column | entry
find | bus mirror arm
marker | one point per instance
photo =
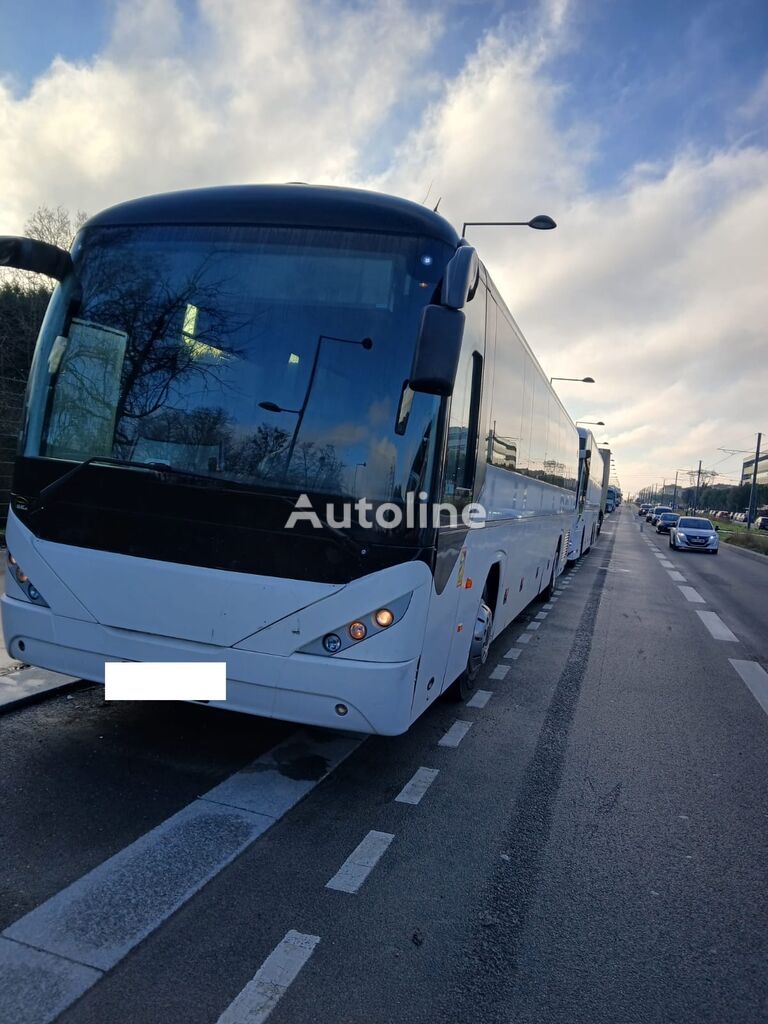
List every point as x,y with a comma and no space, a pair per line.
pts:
34,255
438,347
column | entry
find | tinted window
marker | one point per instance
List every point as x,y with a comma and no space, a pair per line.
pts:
688,523
272,357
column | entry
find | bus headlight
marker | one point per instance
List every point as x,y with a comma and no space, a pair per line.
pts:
384,617
358,631
25,583
332,642
344,637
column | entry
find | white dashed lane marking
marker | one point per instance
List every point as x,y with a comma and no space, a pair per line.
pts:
756,678
260,996
359,864
481,698
542,615
455,734
524,638
717,627
533,625
513,653
500,672
692,595
413,791
676,576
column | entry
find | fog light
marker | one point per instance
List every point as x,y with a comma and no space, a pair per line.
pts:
33,592
384,617
357,631
341,709
332,643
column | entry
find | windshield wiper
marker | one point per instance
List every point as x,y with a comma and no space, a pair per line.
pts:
39,501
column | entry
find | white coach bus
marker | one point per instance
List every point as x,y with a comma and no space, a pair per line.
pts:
209,360
589,495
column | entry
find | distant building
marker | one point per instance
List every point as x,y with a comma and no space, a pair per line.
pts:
762,470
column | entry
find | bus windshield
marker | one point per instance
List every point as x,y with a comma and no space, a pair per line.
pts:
274,358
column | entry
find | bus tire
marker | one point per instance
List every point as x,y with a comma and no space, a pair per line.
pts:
549,590
482,631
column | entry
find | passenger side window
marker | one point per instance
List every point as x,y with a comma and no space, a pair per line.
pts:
464,418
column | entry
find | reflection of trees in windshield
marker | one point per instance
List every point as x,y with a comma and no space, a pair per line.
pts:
178,332
183,350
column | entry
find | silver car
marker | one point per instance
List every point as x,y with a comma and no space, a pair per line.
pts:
691,533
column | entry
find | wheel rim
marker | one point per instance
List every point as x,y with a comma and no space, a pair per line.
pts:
481,639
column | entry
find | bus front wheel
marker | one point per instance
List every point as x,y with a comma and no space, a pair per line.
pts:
480,644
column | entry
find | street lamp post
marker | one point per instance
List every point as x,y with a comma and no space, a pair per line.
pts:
541,223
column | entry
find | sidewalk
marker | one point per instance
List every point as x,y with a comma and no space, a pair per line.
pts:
20,684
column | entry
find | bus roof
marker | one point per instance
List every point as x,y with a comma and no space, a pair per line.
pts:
293,204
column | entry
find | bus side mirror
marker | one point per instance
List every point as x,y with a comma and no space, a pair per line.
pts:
438,347
31,254
460,278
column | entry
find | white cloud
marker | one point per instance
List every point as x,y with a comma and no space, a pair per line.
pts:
655,287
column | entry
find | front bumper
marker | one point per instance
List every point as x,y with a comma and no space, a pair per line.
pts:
296,688
687,546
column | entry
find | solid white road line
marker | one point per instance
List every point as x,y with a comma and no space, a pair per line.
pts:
676,576
455,734
414,790
524,638
260,996
481,697
756,678
500,672
533,625
98,919
692,595
716,626
359,864
513,653
37,987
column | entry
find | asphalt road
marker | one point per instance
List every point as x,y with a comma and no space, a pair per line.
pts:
593,848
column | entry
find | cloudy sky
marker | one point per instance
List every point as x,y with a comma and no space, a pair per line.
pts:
641,126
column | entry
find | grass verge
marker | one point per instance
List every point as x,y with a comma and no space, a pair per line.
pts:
753,540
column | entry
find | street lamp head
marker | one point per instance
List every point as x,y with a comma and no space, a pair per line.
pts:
542,222
588,380
270,407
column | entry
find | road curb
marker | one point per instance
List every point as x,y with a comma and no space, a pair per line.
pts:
746,551
29,685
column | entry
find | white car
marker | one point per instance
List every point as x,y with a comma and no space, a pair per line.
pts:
691,533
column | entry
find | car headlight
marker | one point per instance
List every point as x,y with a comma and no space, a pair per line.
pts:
25,582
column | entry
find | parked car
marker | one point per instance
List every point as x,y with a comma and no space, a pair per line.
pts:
665,521
653,516
761,523
691,533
